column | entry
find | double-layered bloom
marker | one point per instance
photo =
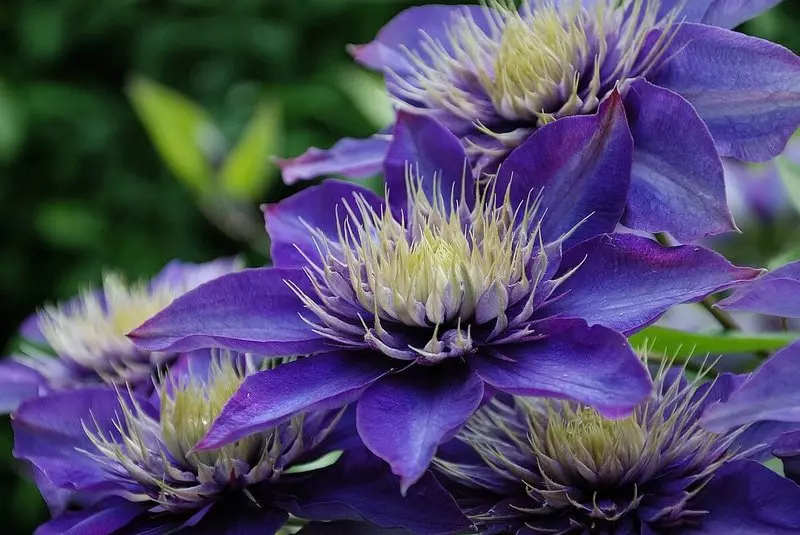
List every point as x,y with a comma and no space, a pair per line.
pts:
535,467
501,78
423,305
82,342
130,466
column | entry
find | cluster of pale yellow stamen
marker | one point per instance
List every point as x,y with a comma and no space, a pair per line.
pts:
544,61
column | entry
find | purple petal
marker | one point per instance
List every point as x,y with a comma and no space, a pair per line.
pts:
678,184
591,365
48,431
17,383
626,282
348,527
353,158
745,89
787,448
238,516
251,311
409,30
323,381
746,498
731,13
102,519
187,274
432,152
777,293
692,11
359,485
771,393
582,167
404,417
321,207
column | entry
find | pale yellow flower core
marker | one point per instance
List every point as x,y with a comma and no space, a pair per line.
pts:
190,406
538,63
584,436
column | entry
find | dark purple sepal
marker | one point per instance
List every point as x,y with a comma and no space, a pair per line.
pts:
359,486
582,168
677,183
431,151
253,310
17,383
323,207
404,417
324,381
777,293
104,518
626,282
745,89
353,158
591,365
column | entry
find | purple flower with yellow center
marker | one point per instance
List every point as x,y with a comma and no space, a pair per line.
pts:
130,465
536,467
501,78
423,305
83,342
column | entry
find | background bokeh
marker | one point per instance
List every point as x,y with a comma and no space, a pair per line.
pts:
84,188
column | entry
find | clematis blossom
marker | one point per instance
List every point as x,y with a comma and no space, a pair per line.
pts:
129,464
82,341
536,467
422,305
500,78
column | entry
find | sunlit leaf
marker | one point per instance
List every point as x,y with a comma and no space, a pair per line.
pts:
247,169
368,94
683,344
179,129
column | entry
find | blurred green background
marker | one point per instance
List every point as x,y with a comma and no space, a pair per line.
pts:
85,189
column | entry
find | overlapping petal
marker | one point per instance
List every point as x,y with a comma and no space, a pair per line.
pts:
251,311
353,158
776,293
626,282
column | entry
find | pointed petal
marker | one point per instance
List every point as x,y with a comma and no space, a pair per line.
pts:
48,431
17,383
251,311
745,89
581,166
591,365
325,381
318,207
626,282
747,498
431,151
410,30
403,418
777,293
731,13
104,518
353,158
678,184
359,485
771,393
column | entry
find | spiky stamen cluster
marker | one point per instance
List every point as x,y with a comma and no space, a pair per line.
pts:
534,65
441,268
577,466
91,331
157,452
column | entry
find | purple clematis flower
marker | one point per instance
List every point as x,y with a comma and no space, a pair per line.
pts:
423,305
499,77
82,342
536,467
129,464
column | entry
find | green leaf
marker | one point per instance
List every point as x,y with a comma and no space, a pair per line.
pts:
247,169
178,128
367,92
682,345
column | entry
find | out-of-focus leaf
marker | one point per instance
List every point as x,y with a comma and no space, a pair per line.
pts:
69,225
11,123
179,129
790,175
682,344
246,172
790,255
368,94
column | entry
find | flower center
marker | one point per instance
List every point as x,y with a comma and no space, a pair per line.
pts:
534,65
